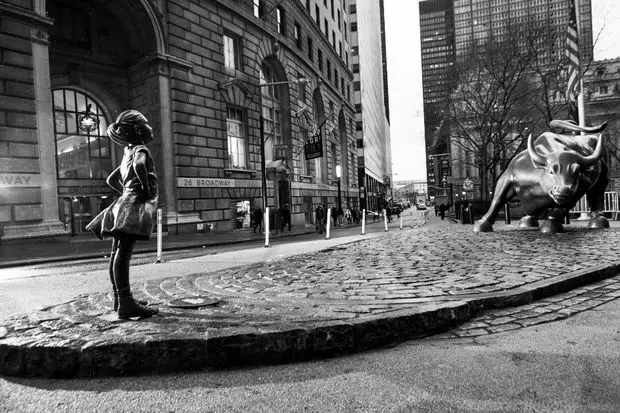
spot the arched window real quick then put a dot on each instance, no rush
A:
(82, 146)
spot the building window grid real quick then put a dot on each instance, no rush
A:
(235, 127)
(79, 154)
(231, 52)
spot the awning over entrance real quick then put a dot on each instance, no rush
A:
(279, 166)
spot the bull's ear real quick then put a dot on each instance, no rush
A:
(538, 160)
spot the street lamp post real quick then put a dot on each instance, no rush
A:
(338, 176)
(263, 165)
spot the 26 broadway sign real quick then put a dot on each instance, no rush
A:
(314, 146)
(205, 183)
(19, 180)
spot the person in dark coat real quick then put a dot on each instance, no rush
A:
(285, 217)
(442, 211)
(320, 216)
(257, 219)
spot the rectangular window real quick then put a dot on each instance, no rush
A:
(302, 88)
(236, 138)
(332, 5)
(356, 86)
(320, 58)
(310, 49)
(356, 68)
(329, 70)
(336, 78)
(339, 20)
(297, 34)
(317, 15)
(259, 8)
(281, 20)
(346, 36)
(326, 28)
(353, 26)
(355, 50)
(308, 5)
(333, 38)
(340, 48)
(231, 52)
(352, 9)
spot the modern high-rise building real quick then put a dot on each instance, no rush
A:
(438, 58)
(370, 85)
(448, 30)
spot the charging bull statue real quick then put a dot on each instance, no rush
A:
(551, 176)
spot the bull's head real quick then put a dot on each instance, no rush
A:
(563, 169)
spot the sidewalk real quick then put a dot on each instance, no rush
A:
(88, 246)
(364, 294)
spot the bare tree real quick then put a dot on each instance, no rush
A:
(488, 107)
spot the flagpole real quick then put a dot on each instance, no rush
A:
(581, 112)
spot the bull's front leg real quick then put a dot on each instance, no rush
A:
(596, 200)
(503, 192)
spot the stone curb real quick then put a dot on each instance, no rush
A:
(271, 345)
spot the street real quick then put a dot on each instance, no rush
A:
(561, 366)
(565, 366)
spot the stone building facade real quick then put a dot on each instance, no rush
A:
(602, 104)
(205, 73)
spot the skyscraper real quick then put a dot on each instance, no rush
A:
(371, 101)
(448, 30)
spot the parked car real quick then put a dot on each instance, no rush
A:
(420, 206)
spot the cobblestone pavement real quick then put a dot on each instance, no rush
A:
(360, 295)
(549, 309)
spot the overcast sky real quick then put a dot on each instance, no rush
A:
(405, 77)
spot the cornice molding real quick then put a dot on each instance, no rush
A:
(24, 15)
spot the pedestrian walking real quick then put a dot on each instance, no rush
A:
(285, 217)
(132, 216)
(320, 216)
(257, 220)
(442, 211)
(347, 215)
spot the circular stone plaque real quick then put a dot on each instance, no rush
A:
(193, 302)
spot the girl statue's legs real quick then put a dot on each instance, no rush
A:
(127, 306)
(111, 271)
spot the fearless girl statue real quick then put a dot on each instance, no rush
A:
(132, 216)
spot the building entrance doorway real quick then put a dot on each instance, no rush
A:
(242, 214)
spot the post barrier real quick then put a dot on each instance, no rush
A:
(507, 213)
(385, 218)
(159, 236)
(267, 229)
(329, 219)
(401, 221)
(363, 221)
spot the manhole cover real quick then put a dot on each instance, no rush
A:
(193, 302)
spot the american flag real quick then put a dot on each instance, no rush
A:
(572, 53)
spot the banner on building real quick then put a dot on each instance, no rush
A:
(314, 146)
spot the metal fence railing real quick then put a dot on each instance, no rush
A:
(611, 205)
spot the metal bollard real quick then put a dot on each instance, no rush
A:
(507, 213)
(267, 231)
(363, 221)
(385, 218)
(329, 220)
(159, 237)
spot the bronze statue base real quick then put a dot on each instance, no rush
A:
(598, 221)
(528, 221)
(482, 226)
(551, 226)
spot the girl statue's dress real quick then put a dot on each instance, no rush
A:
(132, 213)
(132, 216)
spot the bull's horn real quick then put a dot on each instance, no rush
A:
(596, 155)
(572, 126)
(538, 160)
